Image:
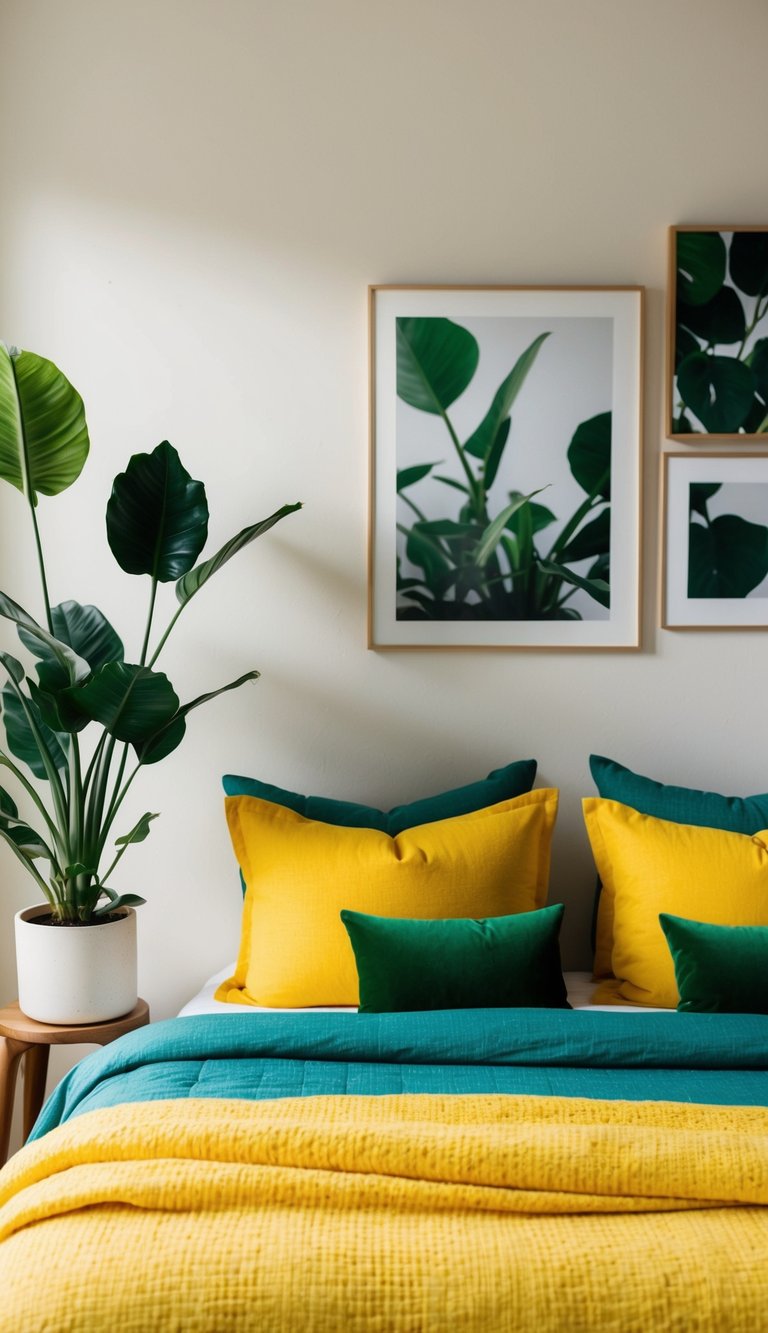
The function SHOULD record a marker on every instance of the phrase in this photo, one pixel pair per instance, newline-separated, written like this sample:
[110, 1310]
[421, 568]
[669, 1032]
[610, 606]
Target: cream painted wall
[195, 194]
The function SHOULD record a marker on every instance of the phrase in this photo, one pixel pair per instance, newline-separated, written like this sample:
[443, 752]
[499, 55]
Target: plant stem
[116, 803]
[475, 490]
[145, 645]
[161, 644]
[407, 500]
[31, 500]
[28, 865]
[5, 762]
[41, 563]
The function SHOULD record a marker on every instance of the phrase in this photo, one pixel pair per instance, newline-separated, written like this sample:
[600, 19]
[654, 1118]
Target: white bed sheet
[580, 986]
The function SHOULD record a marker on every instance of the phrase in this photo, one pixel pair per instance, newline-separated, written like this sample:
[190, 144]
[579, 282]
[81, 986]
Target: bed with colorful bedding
[490, 1162]
[476, 1169]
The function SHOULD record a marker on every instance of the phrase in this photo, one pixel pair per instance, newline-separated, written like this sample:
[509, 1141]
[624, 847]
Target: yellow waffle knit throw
[402, 1214]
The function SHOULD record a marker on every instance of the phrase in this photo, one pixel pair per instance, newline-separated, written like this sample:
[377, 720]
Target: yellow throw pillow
[300, 873]
[649, 866]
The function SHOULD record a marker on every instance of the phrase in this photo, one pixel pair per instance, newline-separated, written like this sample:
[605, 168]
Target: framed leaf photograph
[717, 343]
[505, 467]
[715, 541]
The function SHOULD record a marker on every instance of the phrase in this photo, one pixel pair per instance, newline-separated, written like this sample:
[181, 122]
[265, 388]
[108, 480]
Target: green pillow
[500, 785]
[496, 962]
[718, 969]
[681, 805]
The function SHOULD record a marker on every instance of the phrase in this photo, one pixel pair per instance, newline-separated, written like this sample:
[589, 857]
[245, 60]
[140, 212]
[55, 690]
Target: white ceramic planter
[75, 974]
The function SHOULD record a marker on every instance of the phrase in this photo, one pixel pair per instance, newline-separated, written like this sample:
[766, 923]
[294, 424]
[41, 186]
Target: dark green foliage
[722, 300]
[479, 566]
[727, 555]
[157, 522]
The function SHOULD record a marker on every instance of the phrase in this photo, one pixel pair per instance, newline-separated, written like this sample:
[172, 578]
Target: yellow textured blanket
[417, 1213]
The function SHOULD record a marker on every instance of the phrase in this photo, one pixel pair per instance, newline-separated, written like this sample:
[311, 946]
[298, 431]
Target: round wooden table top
[16, 1026]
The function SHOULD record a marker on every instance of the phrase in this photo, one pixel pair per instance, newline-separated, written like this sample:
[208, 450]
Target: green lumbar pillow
[718, 969]
[680, 805]
[493, 963]
[500, 785]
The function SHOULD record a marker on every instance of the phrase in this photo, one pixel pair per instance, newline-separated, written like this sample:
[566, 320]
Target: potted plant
[89, 719]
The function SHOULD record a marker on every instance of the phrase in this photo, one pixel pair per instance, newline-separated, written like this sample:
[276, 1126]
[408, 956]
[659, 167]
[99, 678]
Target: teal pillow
[500, 785]
[496, 962]
[680, 805]
[718, 969]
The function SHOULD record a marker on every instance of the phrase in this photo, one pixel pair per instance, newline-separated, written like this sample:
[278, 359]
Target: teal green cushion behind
[405, 965]
[680, 805]
[718, 969]
[500, 785]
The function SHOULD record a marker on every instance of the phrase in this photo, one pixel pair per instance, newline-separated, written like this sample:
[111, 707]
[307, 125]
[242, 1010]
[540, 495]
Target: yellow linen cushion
[300, 874]
[648, 866]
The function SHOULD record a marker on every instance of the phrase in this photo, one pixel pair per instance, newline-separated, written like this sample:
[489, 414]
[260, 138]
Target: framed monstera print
[717, 343]
[715, 541]
[505, 467]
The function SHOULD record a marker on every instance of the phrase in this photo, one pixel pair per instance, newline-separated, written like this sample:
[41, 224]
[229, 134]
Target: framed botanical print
[717, 334]
[715, 541]
[505, 467]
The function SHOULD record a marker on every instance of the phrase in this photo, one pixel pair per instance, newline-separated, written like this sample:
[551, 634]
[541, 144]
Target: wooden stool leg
[10, 1054]
[35, 1074]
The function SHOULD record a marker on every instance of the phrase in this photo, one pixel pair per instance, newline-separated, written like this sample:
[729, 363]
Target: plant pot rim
[29, 916]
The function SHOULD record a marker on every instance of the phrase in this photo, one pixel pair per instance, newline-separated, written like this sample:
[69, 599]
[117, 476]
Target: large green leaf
[748, 261]
[436, 360]
[597, 588]
[589, 455]
[700, 265]
[157, 516]
[408, 476]
[43, 433]
[700, 494]
[591, 540]
[194, 580]
[83, 629]
[495, 530]
[719, 321]
[21, 737]
[425, 551]
[718, 389]
[480, 443]
[131, 702]
[727, 558]
[168, 737]
[71, 665]
[496, 453]
[537, 516]
[685, 343]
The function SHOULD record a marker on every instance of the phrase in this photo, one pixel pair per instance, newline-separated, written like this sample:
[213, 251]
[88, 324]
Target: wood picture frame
[505, 467]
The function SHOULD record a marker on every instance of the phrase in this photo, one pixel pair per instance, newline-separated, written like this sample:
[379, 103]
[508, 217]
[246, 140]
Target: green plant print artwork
[504, 486]
[721, 333]
[727, 547]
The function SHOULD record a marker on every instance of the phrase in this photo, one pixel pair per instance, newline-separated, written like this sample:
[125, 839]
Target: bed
[268, 1162]
[565, 1170]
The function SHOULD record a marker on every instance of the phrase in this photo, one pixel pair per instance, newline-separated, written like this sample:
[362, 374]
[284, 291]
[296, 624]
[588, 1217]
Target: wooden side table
[25, 1036]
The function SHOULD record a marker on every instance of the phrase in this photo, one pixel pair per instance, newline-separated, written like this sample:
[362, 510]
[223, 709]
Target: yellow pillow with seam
[300, 873]
[650, 865]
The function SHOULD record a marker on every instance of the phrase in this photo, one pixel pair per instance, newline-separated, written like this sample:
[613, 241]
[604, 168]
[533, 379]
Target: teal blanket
[716, 1058]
